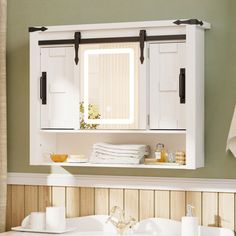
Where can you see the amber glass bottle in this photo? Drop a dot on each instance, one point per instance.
(160, 153)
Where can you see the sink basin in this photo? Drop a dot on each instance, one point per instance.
(96, 226)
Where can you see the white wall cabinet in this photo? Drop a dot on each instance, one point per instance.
(130, 78)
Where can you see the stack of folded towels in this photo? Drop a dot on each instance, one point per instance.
(118, 153)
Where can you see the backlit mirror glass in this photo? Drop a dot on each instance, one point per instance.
(109, 86)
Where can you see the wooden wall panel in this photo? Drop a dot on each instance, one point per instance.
(116, 198)
(87, 201)
(210, 209)
(177, 205)
(31, 199)
(58, 196)
(132, 203)
(18, 204)
(101, 201)
(45, 197)
(226, 210)
(9, 208)
(162, 204)
(195, 200)
(146, 204)
(72, 202)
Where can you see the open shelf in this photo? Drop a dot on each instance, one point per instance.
(81, 143)
(143, 166)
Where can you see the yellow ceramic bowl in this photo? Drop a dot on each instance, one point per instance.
(59, 157)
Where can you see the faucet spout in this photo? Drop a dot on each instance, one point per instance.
(117, 218)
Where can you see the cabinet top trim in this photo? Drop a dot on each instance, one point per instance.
(122, 25)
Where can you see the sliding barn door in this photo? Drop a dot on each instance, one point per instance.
(167, 86)
(58, 89)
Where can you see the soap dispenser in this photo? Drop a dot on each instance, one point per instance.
(189, 225)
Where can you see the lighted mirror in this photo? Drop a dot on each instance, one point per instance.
(109, 86)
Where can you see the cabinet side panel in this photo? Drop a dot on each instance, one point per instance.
(195, 97)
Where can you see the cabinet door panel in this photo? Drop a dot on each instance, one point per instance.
(166, 111)
(60, 108)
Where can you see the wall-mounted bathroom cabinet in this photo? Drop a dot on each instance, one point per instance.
(130, 78)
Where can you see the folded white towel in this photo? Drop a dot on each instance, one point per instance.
(115, 160)
(107, 156)
(128, 147)
(120, 152)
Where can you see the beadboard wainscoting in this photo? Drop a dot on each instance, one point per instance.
(213, 208)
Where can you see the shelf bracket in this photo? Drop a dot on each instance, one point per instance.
(77, 38)
(189, 22)
(142, 39)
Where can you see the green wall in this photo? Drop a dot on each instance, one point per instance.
(220, 79)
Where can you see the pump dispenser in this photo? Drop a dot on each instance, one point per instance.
(189, 225)
(190, 210)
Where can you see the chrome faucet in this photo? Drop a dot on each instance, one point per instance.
(117, 218)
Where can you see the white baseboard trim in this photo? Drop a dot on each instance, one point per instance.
(131, 182)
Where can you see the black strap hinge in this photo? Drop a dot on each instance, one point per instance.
(189, 22)
(142, 39)
(34, 29)
(77, 38)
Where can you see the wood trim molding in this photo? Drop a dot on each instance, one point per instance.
(129, 182)
(117, 26)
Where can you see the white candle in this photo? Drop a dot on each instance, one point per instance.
(55, 218)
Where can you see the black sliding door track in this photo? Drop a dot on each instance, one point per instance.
(141, 39)
(112, 40)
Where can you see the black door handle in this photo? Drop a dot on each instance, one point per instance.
(43, 88)
(182, 85)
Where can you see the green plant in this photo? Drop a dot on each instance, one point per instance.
(93, 113)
